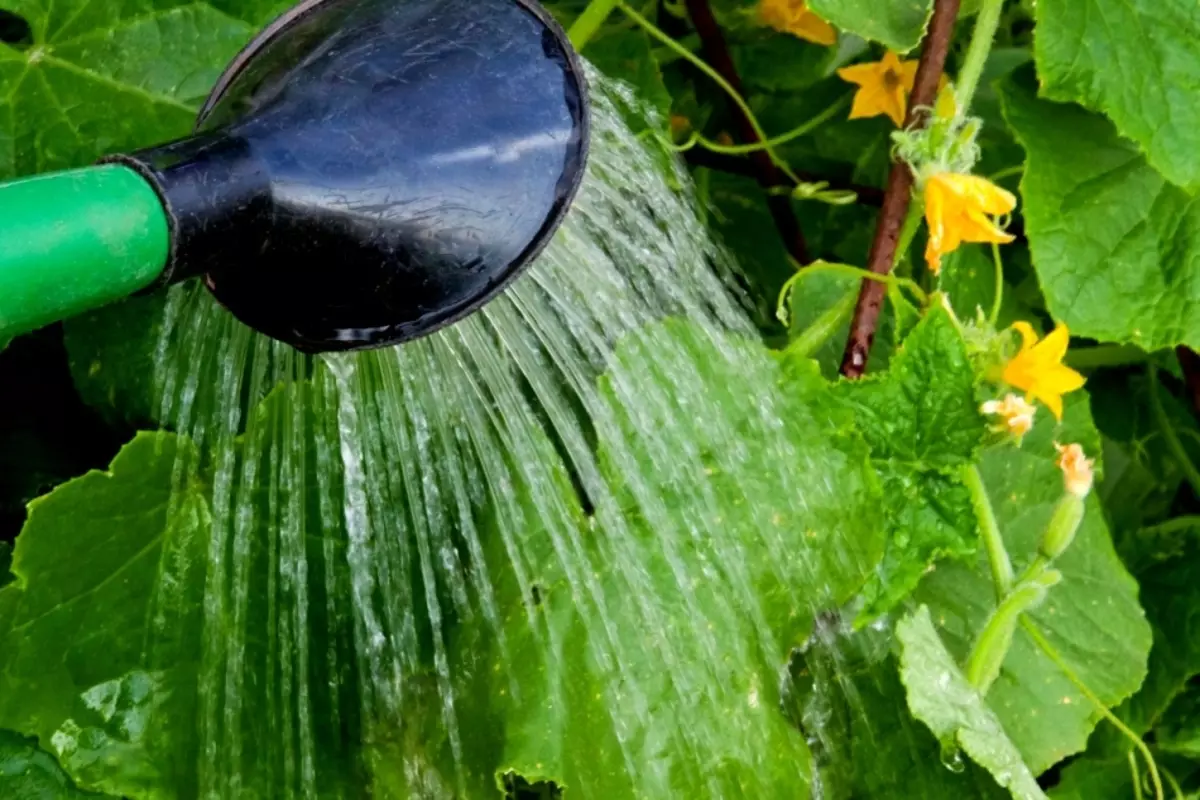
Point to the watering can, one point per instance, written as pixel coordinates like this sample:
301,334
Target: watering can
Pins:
364,172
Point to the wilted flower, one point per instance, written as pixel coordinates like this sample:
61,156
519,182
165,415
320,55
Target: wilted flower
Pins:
1076,469
1016,414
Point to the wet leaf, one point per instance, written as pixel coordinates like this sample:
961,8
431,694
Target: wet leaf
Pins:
655,670
922,423
81,655
940,696
847,697
29,773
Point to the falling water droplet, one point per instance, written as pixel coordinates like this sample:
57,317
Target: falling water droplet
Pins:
952,756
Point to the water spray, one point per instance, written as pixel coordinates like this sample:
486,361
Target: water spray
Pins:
363,173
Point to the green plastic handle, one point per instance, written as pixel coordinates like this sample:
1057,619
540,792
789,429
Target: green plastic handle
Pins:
72,241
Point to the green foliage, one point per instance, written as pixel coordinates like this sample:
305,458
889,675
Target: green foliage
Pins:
1093,617
107,77
941,697
848,584
76,667
847,696
1137,63
897,24
29,773
921,421
1114,243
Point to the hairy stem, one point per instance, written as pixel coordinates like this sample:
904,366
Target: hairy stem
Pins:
898,194
986,23
989,529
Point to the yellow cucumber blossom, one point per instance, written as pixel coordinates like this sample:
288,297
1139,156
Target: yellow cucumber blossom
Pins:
793,16
883,87
1016,414
1076,469
959,208
1038,369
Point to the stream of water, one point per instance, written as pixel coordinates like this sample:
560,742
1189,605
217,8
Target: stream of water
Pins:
561,540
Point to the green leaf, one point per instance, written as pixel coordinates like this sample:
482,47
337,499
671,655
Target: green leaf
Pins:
813,299
110,648
101,78
6,575
922,423
75,626
29,773
111,352
847,697
1171,595
897,24
1138,61
1092,617
703,652
941,697
1092,779
1114,243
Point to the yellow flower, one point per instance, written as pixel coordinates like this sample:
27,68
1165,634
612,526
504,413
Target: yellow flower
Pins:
884,87
1038,369
957,209
1016,414
793,16
1076,468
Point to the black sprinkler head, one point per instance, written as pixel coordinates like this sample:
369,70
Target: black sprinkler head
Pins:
368,171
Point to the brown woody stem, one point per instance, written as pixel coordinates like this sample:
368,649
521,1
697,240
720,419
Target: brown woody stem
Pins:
898,194
716,53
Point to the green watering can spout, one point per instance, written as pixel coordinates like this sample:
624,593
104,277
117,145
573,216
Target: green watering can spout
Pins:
365,172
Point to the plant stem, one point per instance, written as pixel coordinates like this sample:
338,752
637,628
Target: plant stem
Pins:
739,165
993,542
795,133
1171,526
1168,432
589,22
1136,774
822,328
1007,172
770,169
986,23
999,298
898,195
1044,645
859,272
